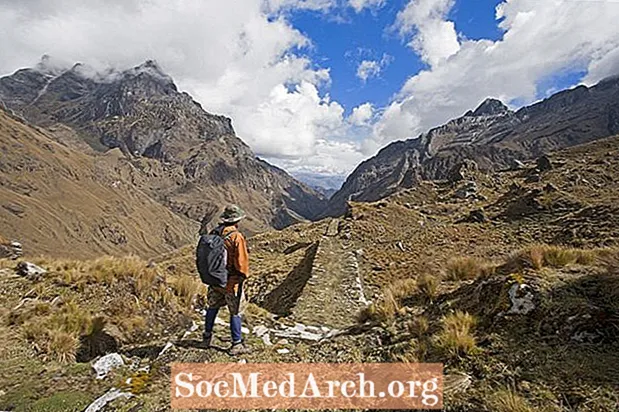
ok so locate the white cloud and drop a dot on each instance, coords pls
(372, 68)
(333, 157)
(359, 5)
(242, 59)
(278, 5)
(434, 38)
(368, 69)
(541, 39)
(362, 114)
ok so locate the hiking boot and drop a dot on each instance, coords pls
(239, 349)
(206, 341)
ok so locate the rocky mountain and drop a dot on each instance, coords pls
(62, 202)
(187, 159)
(492, 135)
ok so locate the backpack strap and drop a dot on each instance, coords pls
(230, 234)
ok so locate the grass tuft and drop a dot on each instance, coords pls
(467, 268)
(419, 326)
(506, 400)
(187, 287)
(540, 256)
(62, 346)
(456, 337)
(428, 286)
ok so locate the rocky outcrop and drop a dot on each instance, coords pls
(493, 136)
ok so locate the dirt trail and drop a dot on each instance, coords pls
(333, 294)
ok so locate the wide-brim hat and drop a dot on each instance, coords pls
(232, 214)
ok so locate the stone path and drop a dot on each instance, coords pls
(334, 293)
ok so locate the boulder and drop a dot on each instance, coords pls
(544, 164)
(28, 269)
(107, 363)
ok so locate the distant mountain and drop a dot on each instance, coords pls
(325, 184)
(491, 135)
(187, 159)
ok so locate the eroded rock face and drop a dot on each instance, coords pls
(493, 136)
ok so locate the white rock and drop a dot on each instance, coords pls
(283, 351)
(295, 334)
(105, 364)
(29, 269)
(108, 397)
(260, 330)
(165, 348)
(267, 340)
(194, 326)
(521, 305)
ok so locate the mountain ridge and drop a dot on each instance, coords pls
(492, 135)
(183, 157)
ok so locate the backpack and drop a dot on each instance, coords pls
(211, 259)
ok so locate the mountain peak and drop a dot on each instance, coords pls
(151, 73)
(490, 107)
(49, 66)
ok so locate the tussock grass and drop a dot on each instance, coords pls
(540, 256)
(82, 307)
(187, 287)
(62, 346)
(507, 400)
(428, 285)
(467, 268)
(390, 304)
(383, 311)
(402, 289)
(456, 337)
(254, 314)
(419, 326)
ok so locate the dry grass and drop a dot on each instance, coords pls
(402, 289)
(506, 400)
(456, 337)
(467, 268)
(62, 346)
(186, 287)
(419, 326)
(428, 286)
(70, 310)
(540, 256)
(390, 304)
(254, 314)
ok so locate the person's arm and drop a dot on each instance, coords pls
(241, 261)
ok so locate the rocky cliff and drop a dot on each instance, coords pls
(183, 157)
(492, 135)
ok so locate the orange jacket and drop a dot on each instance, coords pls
(238, 257)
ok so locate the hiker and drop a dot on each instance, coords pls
(223, 263)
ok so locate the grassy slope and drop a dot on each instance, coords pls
(61, 202)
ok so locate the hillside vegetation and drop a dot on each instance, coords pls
(511, 279)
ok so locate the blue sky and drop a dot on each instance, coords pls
(343, 40)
